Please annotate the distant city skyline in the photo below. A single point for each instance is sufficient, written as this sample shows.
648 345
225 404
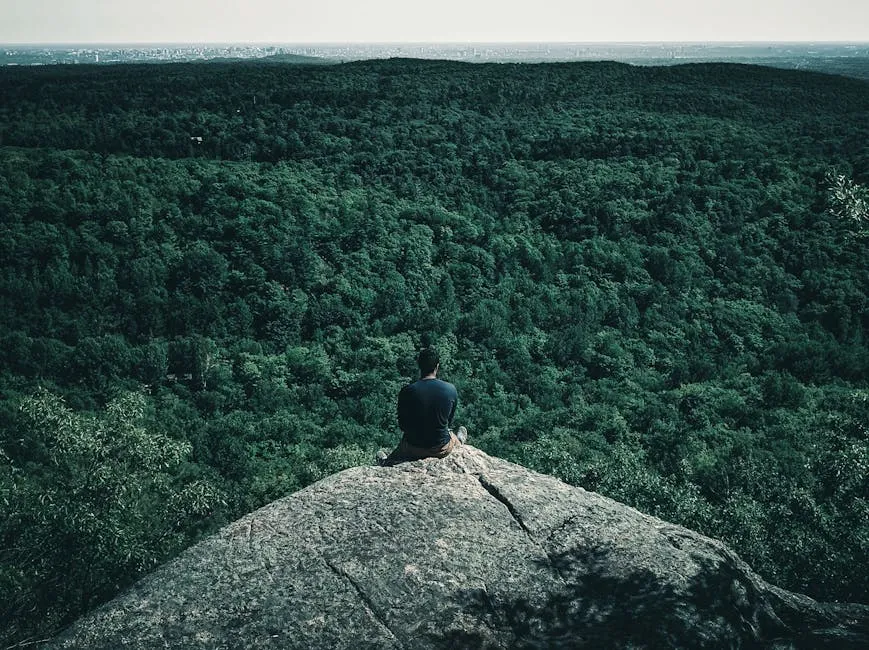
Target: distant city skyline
447 21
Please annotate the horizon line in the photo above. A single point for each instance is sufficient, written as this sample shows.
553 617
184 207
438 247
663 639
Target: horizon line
445 42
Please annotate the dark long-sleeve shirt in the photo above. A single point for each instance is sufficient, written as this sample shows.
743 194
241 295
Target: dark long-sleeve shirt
425 412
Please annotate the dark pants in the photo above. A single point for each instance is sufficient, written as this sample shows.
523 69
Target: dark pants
406 451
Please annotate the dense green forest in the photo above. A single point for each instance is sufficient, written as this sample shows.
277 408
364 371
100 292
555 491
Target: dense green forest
650 282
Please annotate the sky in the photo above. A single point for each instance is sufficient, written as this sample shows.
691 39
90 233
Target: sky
373 21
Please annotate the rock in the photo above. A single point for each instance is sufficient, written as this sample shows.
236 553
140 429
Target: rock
469 551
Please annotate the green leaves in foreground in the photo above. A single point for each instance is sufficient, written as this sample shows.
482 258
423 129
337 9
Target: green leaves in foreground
100 500
849 201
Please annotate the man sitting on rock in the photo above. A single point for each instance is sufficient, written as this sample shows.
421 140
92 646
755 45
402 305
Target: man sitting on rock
425 413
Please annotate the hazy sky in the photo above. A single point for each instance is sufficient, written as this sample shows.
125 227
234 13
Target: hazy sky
312 21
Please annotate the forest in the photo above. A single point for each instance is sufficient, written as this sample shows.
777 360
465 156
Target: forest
649 282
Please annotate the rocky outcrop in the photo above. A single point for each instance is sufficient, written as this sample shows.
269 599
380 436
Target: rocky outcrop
469 551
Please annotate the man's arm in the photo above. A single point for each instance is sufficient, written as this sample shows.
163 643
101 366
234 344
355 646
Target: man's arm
403 410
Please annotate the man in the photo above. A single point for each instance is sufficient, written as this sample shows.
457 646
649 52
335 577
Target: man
425 413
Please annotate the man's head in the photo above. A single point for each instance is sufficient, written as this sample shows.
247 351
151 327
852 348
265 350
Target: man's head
428 361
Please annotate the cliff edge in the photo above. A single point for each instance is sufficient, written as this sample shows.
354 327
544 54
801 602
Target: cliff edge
469 551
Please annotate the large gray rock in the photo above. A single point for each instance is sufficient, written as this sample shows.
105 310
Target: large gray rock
469 551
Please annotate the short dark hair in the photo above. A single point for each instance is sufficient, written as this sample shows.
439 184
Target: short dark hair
428 360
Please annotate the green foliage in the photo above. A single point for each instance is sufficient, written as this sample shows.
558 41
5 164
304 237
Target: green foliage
850 202
95 500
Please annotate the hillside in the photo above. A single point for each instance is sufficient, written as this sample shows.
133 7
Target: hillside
468 552
214 279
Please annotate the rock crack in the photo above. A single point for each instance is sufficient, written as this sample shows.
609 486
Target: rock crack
499 496
363 597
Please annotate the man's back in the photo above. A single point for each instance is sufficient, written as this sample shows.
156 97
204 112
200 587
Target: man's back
425 412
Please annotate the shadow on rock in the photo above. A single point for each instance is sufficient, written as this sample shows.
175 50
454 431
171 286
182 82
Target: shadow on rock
599 608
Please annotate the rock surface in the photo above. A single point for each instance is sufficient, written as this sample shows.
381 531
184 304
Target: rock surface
469 551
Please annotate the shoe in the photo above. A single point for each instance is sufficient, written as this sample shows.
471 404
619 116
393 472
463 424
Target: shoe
462 434
381 457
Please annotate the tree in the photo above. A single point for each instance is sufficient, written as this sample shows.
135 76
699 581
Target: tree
850 202
94 501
